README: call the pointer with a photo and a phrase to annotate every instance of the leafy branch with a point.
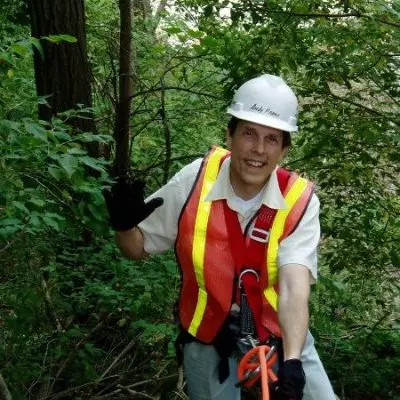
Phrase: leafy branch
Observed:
(182, 89)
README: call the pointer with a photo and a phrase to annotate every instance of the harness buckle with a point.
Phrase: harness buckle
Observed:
(259, 235)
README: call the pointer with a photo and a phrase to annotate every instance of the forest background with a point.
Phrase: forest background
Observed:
(83, 86)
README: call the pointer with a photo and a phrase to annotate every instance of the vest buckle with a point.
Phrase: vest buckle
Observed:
(259, 235)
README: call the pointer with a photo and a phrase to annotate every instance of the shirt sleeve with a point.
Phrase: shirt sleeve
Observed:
(161, 227)
(301, 246)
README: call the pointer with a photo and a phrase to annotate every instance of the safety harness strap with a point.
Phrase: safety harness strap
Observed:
(250, 256)
(248, 259)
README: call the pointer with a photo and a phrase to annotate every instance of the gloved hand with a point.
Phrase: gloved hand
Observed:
(126, 206)
(291, 380)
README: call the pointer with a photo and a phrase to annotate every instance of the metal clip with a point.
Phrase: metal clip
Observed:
(245, 271)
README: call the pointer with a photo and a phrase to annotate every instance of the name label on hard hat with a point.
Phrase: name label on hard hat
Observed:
(260, 109)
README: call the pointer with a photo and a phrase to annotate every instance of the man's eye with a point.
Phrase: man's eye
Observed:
(248, 133)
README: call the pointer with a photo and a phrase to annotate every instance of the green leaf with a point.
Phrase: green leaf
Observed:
(15, 157)
(51, 223)
(42, 99)
(55, 173)
(89, 137)
(36, 131)
(69, 163)
(76, 151)
(34, 220)
(12, 125)
(20, 206)
(395, 258)
(60, 38)
(6, 58)
(37, 202)
(21, 48)
(195, 34)
(9, 230)
(62, 135)
(209, 42)
(173, 30)
(96, 212)
(92, 163)
(9, 221)
(37, 45)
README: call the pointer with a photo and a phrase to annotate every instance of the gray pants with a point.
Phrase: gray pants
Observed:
(201, 370)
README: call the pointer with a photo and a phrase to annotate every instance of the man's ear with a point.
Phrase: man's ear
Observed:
(228, 139)
(283, 153)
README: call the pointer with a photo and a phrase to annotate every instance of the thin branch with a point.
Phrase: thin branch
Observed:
(9, 244)
(41, 184)
(134, 393)
(383, 90)
(339, 15)
(114, 80)
(189, 156)
(213, 96)
(315, 15)
(382, 21)
(167, 133)
(369, 110)
(50, 308)
(181, 384)
(120, 355)
(73, 353)
(152, 380)
(4, 392)
(64, 393)
(185, 59)
(138, 132)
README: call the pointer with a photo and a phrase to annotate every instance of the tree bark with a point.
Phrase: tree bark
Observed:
(121, 134)
(62, 73)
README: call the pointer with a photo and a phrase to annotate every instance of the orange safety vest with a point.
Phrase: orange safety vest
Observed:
(205, 258)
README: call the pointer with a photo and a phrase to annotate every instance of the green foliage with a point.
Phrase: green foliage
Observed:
(361, 352)
(47, 192)
(70, 306)
(102, 302)
(45, 178)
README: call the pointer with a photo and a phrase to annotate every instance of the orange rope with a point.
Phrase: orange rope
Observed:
(254, 366)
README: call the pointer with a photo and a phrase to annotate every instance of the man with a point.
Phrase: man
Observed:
(241, 227)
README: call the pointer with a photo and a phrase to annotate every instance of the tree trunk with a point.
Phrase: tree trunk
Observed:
(121, 164)
(62, 74)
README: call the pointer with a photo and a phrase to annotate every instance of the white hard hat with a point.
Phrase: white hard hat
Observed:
(266, 100)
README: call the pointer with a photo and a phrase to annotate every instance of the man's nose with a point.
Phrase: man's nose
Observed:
(259, 146)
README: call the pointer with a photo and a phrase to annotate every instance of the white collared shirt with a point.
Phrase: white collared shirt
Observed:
(161, 227)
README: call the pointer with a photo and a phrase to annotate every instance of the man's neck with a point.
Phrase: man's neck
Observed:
(246, 191)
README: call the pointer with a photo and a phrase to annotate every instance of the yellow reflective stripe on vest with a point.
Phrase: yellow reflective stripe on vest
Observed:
(278, 226)
(200, 235)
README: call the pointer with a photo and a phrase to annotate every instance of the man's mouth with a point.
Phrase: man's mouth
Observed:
(254, 163)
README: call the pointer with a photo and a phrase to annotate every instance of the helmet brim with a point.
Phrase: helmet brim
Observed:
(265, 120)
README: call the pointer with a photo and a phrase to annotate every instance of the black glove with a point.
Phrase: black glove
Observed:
(291, 380)
(126, 206)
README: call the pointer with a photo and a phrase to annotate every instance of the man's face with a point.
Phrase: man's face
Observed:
(256, 150)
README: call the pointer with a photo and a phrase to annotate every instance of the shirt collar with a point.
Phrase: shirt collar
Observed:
(222, 189)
